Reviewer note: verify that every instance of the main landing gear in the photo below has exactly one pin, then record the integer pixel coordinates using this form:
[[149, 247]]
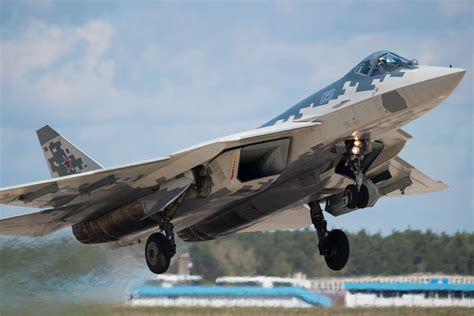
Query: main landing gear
[[160, 248], [333, 245]]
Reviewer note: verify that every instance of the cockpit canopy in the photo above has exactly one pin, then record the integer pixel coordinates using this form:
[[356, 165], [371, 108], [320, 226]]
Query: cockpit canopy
[[383, 62]]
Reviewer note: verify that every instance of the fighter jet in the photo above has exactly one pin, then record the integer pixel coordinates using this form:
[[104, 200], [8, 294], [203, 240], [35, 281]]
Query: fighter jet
[[335, 150]]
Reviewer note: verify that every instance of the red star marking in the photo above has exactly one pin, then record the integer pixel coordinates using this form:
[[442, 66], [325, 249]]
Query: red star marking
[[67, 163]]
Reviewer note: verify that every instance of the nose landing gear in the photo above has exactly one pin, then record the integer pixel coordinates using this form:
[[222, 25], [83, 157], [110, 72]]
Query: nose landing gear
[[359, 155], [333, 245], [357, 197], [352, 194]]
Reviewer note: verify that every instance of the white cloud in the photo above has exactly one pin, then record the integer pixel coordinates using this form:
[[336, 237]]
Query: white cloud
[[38, 47], [61, 69]]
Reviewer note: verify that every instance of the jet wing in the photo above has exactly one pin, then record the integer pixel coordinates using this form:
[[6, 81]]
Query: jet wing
[[404, 176], [114, 183], [406, 179], [394, 177], [76, 188], [35, 224]]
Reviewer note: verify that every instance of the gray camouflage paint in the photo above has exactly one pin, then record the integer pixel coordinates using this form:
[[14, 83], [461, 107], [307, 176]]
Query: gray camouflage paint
[[60, 161], [62, 157], [335, 90]]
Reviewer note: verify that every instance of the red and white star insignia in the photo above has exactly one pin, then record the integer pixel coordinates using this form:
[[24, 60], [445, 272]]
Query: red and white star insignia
[[67, 163]]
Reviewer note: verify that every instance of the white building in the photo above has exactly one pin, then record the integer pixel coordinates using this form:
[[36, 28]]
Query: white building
[[410, 291]]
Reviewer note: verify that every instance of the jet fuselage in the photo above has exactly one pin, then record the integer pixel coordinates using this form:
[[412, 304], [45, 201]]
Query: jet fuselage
[[356, 106]]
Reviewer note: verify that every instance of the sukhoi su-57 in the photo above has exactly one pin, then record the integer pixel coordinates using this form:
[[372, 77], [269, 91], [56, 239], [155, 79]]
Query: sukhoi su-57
[[336, 151]]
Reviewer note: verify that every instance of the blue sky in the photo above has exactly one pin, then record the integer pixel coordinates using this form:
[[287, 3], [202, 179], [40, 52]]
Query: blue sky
[[130, 81]]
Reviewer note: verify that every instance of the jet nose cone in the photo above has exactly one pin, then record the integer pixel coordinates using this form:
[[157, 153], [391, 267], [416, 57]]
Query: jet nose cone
[[445, 80], [453, 76]]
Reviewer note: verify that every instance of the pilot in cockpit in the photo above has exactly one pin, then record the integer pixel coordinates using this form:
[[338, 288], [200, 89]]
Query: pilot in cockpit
[[383, 62]]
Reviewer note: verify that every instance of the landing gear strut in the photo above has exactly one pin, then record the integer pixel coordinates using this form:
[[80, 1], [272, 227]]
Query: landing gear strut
[[333, 245], [356, 161], [160, 248]]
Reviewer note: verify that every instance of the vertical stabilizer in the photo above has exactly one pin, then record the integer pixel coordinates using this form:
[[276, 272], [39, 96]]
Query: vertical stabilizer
[[62, 157]]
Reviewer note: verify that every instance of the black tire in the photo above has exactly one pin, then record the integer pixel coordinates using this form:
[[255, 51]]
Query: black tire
[[352, 194], [338, 255], [363, 197], [157, 253]]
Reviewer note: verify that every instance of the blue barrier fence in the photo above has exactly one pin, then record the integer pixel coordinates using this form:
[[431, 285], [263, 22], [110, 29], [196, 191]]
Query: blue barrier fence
[[234, 292]]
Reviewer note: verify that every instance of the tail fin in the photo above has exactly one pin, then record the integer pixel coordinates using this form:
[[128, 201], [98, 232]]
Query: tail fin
[[63, 158]]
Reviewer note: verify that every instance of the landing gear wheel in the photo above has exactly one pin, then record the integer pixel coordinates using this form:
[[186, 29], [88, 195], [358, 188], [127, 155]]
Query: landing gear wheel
[[333, 245], [158, 253], [352, 194], [338, 250], [363, 197]]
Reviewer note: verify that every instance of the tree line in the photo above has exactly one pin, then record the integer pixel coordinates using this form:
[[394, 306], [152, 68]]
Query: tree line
[[285, 253], [281, 253]]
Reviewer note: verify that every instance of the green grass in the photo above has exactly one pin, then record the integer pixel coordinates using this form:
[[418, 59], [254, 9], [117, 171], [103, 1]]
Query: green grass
[[118, 310], [203, 311]]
